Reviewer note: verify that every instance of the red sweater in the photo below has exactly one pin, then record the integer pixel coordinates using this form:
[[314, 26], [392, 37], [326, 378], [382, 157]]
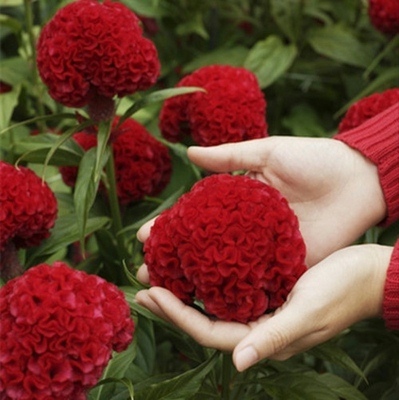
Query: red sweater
[[378, 140]]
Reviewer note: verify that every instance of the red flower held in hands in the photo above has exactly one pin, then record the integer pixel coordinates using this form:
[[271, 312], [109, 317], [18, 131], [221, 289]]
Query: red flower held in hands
[[231, 242], [367, 108], [384, 15], [91, 51], [28, 208], [142, 164], [59, 327], [233, 108]]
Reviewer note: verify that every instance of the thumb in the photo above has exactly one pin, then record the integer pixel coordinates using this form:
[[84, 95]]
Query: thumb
[[248, 155], [271, 337]]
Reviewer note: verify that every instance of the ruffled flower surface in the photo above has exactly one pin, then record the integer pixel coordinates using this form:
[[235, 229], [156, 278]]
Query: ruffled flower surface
[[58, 329], [367, 108], [384, 15], [91, 49], [28, 207], [143, 165], [233, 243], [232, 109]]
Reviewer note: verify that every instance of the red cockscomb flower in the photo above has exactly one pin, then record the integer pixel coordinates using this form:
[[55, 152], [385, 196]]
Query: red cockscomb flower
[[59, 327], [231, 242], [367, 108], [28, 207], [384, 15], [233, 108], [142, 164], [92, 51]]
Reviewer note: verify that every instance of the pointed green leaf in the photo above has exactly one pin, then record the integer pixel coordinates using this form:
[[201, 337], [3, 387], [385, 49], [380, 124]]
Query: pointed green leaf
[[288, 16], [157, 96], [270, 59], [86, 187], [8, 102], [181, 386], [340, 44], [104, 132]]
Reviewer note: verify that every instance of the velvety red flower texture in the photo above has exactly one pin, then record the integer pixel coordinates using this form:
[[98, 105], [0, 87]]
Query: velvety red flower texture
[[28, 207], [368, 107], [92, 49], [59, 327], [142, 164], [233, 108], [384, 15], [231, 242]]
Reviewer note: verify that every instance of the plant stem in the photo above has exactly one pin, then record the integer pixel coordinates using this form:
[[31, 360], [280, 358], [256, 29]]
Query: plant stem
[[32, 41], [117, 225], [226, 375]]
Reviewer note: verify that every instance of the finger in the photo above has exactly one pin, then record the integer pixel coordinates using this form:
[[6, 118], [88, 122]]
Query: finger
[[144, 299], [142, 274], [277, 337], [144, 232], [219, 335], [248, 155]]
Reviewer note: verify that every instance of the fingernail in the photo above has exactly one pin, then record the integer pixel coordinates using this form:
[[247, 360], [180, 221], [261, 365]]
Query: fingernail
[[245, 358]]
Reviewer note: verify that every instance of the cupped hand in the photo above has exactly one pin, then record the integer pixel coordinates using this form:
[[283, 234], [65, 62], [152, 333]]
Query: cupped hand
[[344, 288], [332, 188]]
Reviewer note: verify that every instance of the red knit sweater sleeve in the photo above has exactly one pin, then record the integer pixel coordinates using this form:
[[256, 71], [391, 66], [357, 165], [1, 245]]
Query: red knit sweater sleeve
[[390, 305], [378, 140]]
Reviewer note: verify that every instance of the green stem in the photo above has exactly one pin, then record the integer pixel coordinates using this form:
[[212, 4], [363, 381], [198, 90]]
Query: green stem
[[117, 225], [226, 376], [32, 41]]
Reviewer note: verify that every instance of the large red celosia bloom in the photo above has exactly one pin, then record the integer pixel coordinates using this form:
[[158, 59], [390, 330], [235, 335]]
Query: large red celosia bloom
[[367, 108], [232, 109], [58, 329], [28, 207], [142, 164], [231, 242], [384, 15], [91, 49]]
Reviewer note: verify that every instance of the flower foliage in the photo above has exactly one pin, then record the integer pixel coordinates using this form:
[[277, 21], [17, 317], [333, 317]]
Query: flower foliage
[[367, 108], [28, 207], [142, 164], [91, 49], [384, 15], [59, 327], [232, 109], [231, 242]]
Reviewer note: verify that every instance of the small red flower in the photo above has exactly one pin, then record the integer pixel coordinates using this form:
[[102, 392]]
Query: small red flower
[[28, 207], [94, 50], [233, 243], [59, 327], [142, 164], [384, 15], [367, 108], [233, 108]]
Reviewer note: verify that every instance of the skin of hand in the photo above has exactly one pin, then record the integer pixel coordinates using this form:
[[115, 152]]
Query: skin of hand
[[333, 189], [344, 288]]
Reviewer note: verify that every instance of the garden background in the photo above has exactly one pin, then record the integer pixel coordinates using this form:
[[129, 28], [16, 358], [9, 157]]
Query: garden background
[[313, 59]]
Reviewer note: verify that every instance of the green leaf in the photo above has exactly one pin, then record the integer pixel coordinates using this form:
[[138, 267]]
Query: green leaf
[[340, 44], [270, 59], [12, 23], [333, 353], [181, 386], [86, 188], [10, 3], [288, 16], [340, 387], [231, 56], [157, 96], [126, 382], [115, 370], [104, 132], [8, 102], [65, 232]]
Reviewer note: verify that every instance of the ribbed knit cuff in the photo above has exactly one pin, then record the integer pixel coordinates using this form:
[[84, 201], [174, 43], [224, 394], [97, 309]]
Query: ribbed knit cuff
[[390, 305], [378, 140]]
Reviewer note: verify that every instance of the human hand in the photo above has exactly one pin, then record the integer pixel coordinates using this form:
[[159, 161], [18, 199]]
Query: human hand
[[344, 288], [332, 188]]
